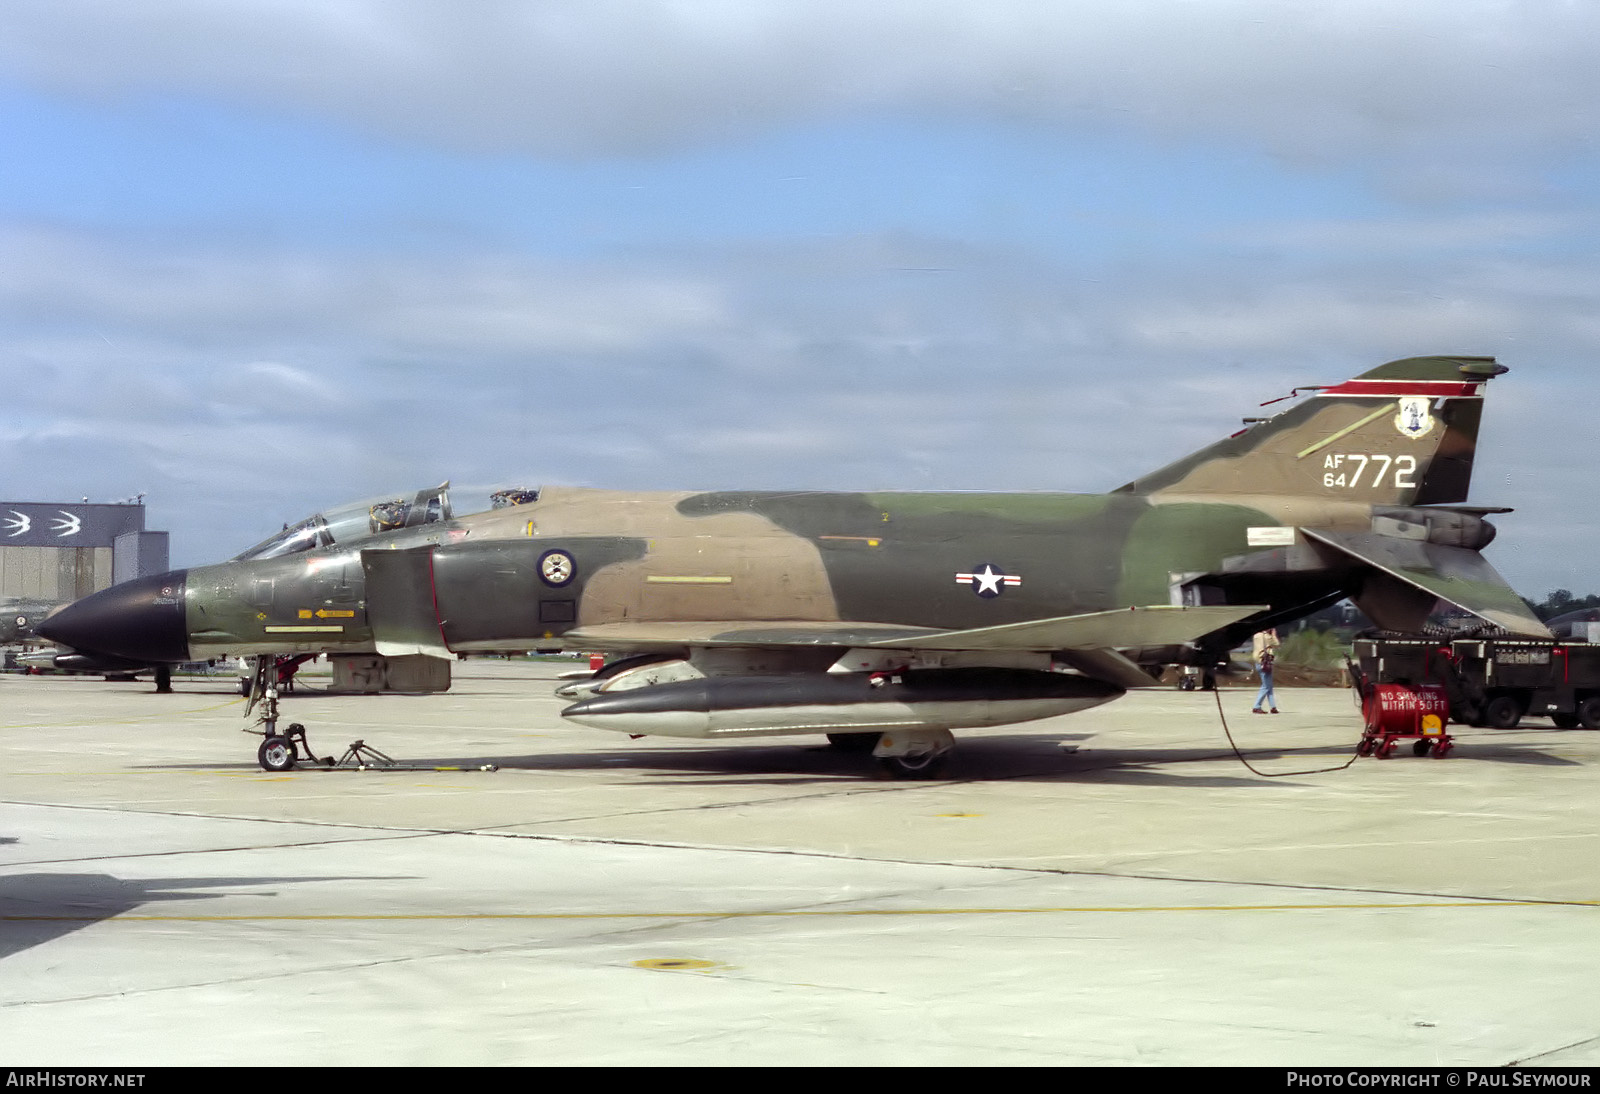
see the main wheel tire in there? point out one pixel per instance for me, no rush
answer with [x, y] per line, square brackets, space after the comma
[1565, 721]
[923, 765]
[276, 754]
[857, 743]
[1502, 712]
[1589, 712]
[1421, 747]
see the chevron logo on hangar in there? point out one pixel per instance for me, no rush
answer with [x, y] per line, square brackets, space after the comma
[26, 524]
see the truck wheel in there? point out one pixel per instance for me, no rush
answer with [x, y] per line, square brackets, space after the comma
[1589, 712]
[1504, 712]
[1565, 721]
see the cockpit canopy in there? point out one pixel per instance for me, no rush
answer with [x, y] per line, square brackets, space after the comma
[516, 495]
[356, 521]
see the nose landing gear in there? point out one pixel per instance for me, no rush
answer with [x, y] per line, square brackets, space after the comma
[278, 751]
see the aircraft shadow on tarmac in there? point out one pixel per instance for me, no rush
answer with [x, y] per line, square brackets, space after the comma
[39, 908]
[1012, 757]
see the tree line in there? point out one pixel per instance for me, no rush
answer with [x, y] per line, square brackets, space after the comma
[1561, 602]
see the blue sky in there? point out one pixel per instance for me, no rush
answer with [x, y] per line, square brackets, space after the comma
[191, 165]
[261, 257]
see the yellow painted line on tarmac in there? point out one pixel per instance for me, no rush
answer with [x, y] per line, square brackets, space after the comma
[678, 964]
[820, 913]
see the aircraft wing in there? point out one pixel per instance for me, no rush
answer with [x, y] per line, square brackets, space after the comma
[744, 632]
[1458, 575]
[1157, 625]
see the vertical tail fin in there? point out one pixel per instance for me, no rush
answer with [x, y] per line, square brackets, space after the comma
[1404, 433]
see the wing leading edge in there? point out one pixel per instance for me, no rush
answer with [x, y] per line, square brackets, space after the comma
[1125, 628]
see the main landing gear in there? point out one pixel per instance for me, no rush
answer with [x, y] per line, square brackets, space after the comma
[901, 754]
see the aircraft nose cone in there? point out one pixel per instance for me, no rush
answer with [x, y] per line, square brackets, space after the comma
[142, 620]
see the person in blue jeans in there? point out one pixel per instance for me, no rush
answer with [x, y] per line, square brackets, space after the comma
[1266, 653]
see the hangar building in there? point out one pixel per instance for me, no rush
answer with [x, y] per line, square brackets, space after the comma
[64, 550]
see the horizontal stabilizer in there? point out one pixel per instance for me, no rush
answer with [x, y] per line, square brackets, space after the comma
[1457, 575]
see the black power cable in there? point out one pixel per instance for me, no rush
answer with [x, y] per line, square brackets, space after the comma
[1217, 694]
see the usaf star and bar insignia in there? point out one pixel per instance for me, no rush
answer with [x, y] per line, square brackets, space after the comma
[988, 580]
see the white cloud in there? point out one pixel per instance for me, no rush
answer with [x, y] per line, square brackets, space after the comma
[534, 310]
[1392, 236]
[482, 304]
[1481, 80]
[1321, 314]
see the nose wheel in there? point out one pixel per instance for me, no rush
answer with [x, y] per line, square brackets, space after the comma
[278, 753]
[281, 752]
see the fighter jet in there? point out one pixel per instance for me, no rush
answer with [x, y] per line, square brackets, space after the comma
[20, 614]
[886, 620]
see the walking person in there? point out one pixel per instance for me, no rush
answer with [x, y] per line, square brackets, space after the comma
[1265, 649]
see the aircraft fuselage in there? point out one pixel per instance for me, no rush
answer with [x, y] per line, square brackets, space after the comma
[524, 577]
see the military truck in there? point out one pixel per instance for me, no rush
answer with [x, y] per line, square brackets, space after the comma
[1493, 681]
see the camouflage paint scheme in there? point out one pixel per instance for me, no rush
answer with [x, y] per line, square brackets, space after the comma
[1356, 490]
